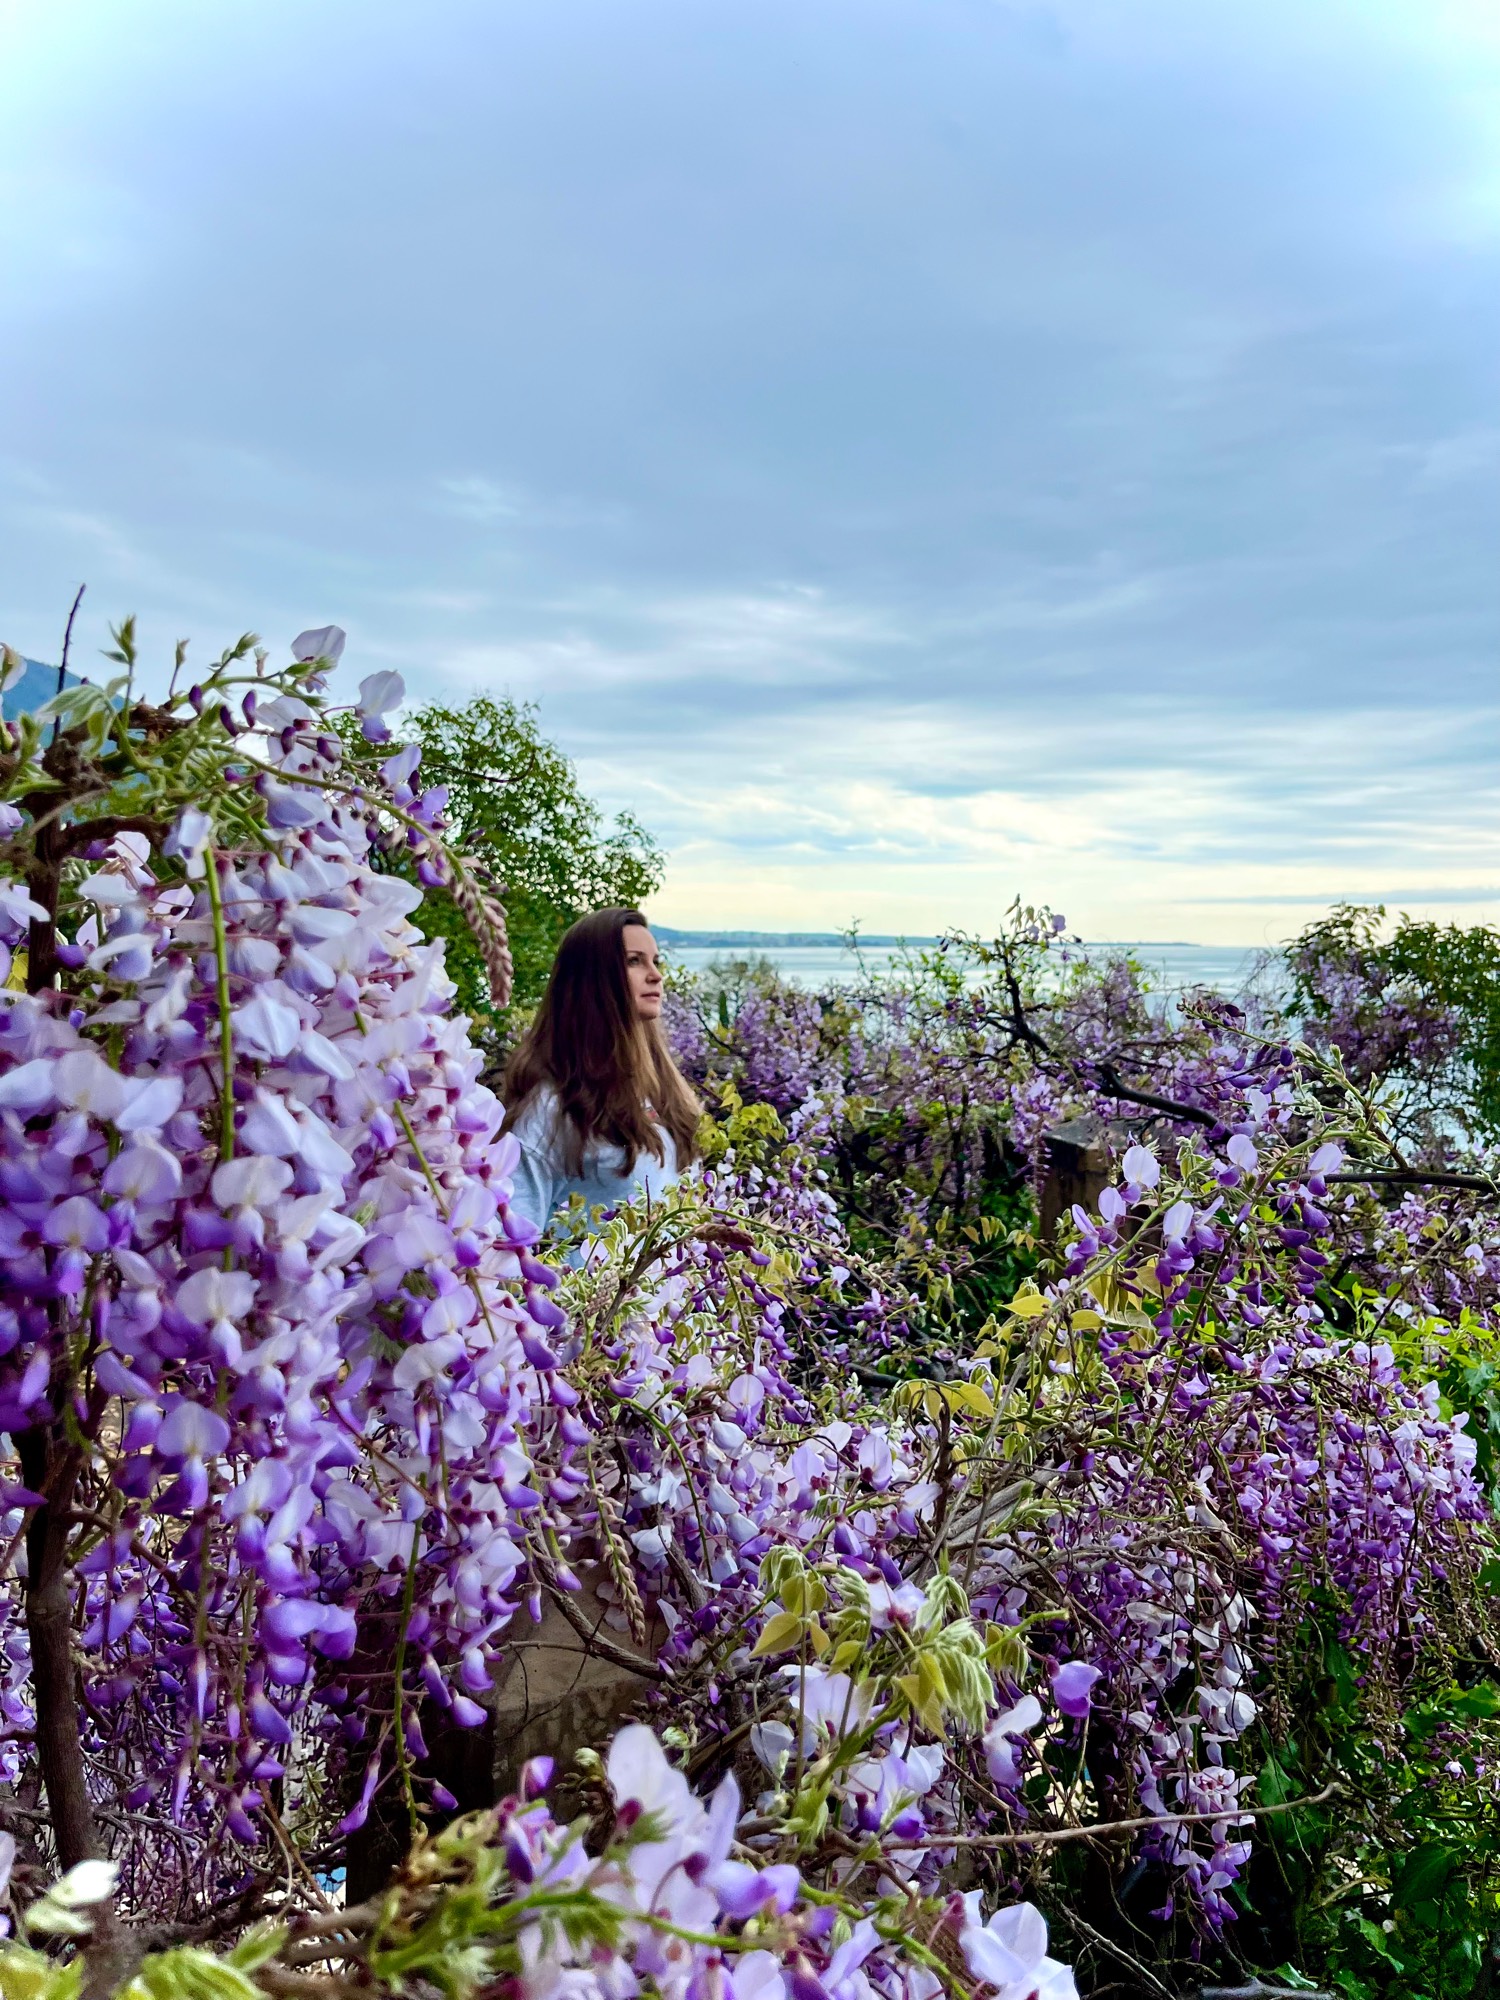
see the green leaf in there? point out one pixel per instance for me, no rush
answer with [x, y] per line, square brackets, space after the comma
[1380, 1944]
[1352, 1986]
[968, 1396]
[256, 1946]
[1274, 1784]
[782, 1631]
[1483, 1700]
[515, 800]
[1344, 1692]
[1423, 1874]
[28, 1975]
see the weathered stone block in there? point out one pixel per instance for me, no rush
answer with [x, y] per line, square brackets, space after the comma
[555, 1696]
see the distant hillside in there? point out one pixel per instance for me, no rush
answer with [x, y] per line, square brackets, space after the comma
[36, 685]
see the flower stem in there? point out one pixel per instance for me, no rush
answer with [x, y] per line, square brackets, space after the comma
[226, 1028]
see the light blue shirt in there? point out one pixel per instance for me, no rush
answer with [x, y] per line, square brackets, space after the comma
[543, 1184]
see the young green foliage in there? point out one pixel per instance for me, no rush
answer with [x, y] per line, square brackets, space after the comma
[514, 800]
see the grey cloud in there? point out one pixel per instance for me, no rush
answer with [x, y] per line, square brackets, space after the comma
[1085, 407]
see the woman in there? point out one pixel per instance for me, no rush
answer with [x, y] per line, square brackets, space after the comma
[592, 1094]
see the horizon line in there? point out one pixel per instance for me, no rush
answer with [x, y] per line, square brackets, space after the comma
[671, 934]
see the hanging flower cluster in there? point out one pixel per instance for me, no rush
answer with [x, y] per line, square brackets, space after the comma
[290, 1391]
[271, 1345]
[303, 1432]
[1187, 1464]
[659, 1894]
[695, 1914]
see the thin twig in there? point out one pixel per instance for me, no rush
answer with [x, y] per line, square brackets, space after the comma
[1117, 1952]
[594, 1639]
[1415, 1177]
[1053, 1836]
[1109, 1076]
[62, 665]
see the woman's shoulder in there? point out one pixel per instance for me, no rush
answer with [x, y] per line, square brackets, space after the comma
[536, 1122]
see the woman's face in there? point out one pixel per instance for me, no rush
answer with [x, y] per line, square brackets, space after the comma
[642, 971]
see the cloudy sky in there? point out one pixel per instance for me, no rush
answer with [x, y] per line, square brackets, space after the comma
[915, 452]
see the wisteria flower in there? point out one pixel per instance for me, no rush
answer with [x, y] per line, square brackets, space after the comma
[1072, 1687]
[379, 695]
[1002, 1745]
[641, 1778]
[830, 1704]
[188, 841]
[1010, 1954]
[323, 642]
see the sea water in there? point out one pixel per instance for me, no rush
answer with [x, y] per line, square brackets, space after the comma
[1167, 967]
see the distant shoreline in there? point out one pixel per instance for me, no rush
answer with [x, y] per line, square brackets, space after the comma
[836, 940]
[775, 940]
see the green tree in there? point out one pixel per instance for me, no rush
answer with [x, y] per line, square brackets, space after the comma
[1414, 1009]
[515, 803]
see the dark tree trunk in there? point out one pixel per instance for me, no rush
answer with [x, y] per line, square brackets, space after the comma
[49, 1625]
[462, 1760]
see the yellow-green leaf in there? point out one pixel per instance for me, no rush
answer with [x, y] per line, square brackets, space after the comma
[781, 1632]
[969, 1396]
[911, 1687]
[257, 1946]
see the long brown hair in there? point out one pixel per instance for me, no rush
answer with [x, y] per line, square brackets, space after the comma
[614, 1076]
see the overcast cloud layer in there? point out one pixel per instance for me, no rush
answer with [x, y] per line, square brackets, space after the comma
[914, 451]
